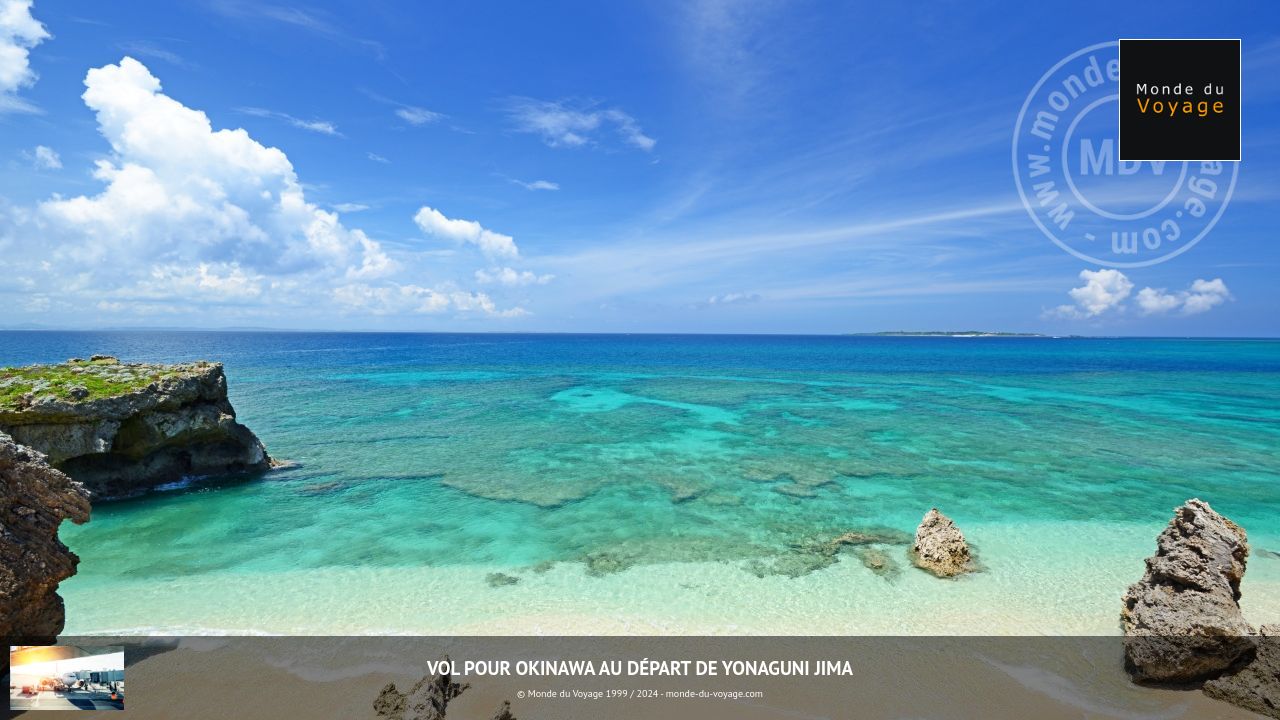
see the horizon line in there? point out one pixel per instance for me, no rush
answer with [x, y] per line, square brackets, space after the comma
[928, 334]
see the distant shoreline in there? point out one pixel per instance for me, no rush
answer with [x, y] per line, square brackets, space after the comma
[957, 333]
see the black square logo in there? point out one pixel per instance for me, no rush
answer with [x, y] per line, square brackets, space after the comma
[1179, 99]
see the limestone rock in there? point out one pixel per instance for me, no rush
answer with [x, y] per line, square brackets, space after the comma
[389, 703]
[1182, 621]
[427, 700]
[940, 547]
[34, 500]
[121, 429]
[1257, 686]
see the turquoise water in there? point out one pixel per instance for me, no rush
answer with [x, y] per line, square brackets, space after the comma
[681, 484]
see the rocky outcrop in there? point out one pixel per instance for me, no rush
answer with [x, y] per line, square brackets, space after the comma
[34, 500]
[1257, 686]
[1182, 621]
[940, 547]
[121, 429]
[427, 700]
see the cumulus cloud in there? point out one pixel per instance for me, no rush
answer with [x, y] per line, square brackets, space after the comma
[176, 189]
[1202, 296]
[417, 116]
[43, 158]
[493, 245]
[1107, 290]
[561, 125]
[19, 32]
[1103, 290]
[324, 127]
[511, 277]
[197, 220]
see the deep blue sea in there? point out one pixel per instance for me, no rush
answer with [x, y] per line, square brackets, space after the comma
[472, 483]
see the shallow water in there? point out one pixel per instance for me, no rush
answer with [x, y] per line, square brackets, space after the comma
[681, 483]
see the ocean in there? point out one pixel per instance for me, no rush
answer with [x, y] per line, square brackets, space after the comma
[452, 484]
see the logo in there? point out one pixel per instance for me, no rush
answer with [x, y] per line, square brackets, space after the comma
[1082, 196]
[1180, 100]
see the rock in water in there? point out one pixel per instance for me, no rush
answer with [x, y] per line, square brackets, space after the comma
[940, 547]
[504, 712]
[1257, 686]
[121, 429]
[34, 500]
[1182, 622]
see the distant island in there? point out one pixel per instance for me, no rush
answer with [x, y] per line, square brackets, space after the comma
[949, 333]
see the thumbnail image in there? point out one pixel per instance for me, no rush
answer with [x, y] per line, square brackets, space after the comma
[66, 677]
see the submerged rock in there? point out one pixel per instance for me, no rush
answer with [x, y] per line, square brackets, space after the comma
[876, 560]
[792, 564]
[607, 562]
[34, 500]
[498, 579]
[121, 429]
[876, 536]
[1182, 621]
[811, 554]
[940, 547]
[1257, 686]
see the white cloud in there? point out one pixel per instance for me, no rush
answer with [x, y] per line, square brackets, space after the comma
[324, 127]
[417, 116]
[225, 281]
[1107, 290]
[43, 158]
[208, 223]
[377, 158]
[350, 207]
[493, 245]
[179, 190]
[396, 299]
[560, 125]
[511, 277]
[537, 184]
[1203, 296]
[733, 298]
[1103, 290]
[19, 32]
[1153, 301]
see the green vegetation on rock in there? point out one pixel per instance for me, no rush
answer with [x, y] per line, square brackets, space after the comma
[76, 380]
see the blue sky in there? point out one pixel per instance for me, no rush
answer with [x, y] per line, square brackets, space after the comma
[596, 167]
